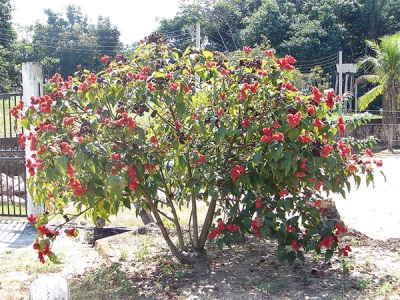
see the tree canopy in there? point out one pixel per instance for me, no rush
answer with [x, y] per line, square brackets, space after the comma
[67, 40]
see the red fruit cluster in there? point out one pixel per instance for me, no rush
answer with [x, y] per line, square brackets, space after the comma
[245, 124]
[303, 164]
[45, 103]
[177, 124]
[116, 156]
[70, 232]
[21, 139]
[340, 124]
[257, 204]
[255, 224]
[369, 152]
[76, 186]
[317, 123]
[344, 149]
[246, 49]
[223, 228]
[224, 71]
[201, 159]
[317, 95]
[173, 86]
[132, 178]
[329, 99]
[294, 119]
[378, 162]
[326, 150]
[45, 126]
[310, 110]
[340, 228]
[346, 250]
[283, 193]
[286, 62]
[289, 86]
[14, 111]
[151, 87]
[126, 120]
[269, 52]
[92, 78]
[149, 167]
[304, 138]
[300, 174]
[327, 241]
[290, 229]
[45, 251]
[236, 171]
[295, 245]
[31, 218]
[154, 140]
[210, 64]
[247, 86]
[68, 121]
[66, 148]
[32, 164]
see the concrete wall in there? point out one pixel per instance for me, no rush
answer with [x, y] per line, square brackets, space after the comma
[377, 129]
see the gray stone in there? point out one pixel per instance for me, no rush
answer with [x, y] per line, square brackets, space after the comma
[49, 287]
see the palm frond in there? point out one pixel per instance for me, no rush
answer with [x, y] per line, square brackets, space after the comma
[370, 96]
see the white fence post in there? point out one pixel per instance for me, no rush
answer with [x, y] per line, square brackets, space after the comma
[32, 80]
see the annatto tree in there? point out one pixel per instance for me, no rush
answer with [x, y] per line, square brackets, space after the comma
[238, 137]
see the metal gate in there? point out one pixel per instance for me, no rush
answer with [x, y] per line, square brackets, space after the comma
[13, 197]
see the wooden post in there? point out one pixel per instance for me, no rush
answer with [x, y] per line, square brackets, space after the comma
[32, 80]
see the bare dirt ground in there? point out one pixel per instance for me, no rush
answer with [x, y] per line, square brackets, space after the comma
[144, 269]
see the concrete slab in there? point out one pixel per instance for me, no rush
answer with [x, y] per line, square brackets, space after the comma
[16, 233]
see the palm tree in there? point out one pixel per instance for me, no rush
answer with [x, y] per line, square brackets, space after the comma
[383, 69]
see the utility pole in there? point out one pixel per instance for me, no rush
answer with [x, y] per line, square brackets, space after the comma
[346, 69]
[198, 36]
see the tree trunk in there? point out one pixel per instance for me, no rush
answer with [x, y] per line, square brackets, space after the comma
[144, 214]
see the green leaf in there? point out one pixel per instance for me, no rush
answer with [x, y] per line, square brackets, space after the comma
[113, 180]
[294, 134]
[328, 254]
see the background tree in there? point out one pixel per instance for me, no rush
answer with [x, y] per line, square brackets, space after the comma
[383, 69]
[9, 73]
[68, 40]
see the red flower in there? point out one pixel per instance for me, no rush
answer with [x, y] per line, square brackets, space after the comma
[70, 232]
[310, 109]
[173, 86]
[236, 171]
[220, 111]
[300, 174]
[317, 95]
[278, 137]
[151, 87]
[341, 125]
[369, 152]
[295, 245]
[284, 193]
[317, 123]
[246, 49]
[177, 125]
[318, 203]
[258, 202]
[105, 58]
[269, 52]
[43, 230]
[245, 124]
[31, 218]
[378, 162]
[154, 140]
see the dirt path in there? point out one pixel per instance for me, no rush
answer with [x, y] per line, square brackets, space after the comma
[375, 210]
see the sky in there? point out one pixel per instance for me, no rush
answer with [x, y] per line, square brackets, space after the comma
[135, 19]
